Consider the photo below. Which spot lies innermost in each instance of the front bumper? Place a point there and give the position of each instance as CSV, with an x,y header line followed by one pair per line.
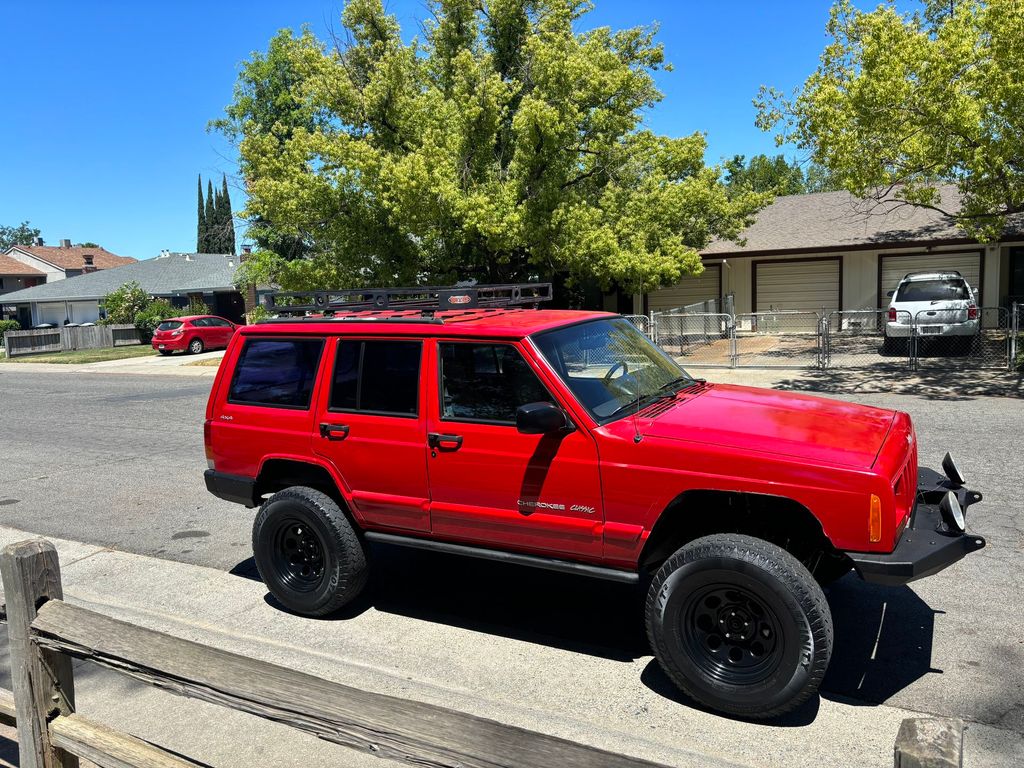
x,y
927,544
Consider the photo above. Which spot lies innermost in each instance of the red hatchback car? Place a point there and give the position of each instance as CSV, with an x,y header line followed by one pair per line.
x,y
193,334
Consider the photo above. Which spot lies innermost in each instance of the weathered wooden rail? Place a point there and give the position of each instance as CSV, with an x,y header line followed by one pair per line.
x,y
65,338
45,633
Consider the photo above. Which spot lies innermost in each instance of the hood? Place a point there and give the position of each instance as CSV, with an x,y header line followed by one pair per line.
x,y
770,421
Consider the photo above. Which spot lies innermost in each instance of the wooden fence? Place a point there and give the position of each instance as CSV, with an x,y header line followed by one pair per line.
x,y
65,338
45,633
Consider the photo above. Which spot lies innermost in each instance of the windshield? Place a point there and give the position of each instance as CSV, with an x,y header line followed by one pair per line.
x,y
610,366
933,290
169,325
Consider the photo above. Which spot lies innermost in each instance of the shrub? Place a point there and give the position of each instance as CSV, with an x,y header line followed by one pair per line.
x,y
196,306
151,316
125,303
257,313
8,325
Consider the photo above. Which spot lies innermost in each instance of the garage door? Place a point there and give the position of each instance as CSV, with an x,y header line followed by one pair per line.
x,y
707,285
796,285
894,268
54,313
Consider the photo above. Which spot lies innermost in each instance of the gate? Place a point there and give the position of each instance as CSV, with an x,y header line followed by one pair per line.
x,y
867,337
705,340
643,322
989,346
783,339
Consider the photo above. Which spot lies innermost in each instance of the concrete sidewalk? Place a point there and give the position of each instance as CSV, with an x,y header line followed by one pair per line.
x,y
616,703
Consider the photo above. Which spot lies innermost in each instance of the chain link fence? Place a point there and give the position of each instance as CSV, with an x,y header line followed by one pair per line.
x,y
867,338
783,339
983,338
962,338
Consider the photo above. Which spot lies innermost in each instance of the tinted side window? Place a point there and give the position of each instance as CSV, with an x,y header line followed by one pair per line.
x,y
486,382
276,372
377,376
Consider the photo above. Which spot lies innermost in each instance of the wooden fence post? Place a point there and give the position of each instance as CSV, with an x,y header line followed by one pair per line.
x,y
41,679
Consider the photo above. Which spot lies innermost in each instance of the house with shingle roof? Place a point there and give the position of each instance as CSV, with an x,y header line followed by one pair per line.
x,y
15,275
176,277
57,262
833,251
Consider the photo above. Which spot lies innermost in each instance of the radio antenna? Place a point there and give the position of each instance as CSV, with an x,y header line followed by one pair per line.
x,y
636,414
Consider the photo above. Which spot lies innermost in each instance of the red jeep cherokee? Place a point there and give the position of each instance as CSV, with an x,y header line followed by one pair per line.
x,y
566,440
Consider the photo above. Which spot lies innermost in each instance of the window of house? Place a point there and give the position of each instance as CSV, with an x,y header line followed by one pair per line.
x,y
277,373
378,376
486,383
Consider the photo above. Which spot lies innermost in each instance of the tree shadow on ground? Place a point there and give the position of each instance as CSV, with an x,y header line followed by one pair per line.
x,y
930,383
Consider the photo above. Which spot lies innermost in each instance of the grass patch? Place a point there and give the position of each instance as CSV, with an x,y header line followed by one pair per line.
x,y
210,362
79,356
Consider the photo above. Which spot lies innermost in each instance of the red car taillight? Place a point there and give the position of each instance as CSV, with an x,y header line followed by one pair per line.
x,y
892,314
972,313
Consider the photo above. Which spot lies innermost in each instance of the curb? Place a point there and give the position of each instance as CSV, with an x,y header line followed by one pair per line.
x,y
929,742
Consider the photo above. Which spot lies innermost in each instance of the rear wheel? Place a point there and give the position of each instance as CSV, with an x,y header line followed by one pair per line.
x,y
740,626
307,552
195,346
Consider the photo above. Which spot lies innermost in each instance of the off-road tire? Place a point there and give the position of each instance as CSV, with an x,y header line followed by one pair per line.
x,y
196,346
796,616
344,571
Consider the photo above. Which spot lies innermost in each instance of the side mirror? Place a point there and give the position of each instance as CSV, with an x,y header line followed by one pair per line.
x,y
540,418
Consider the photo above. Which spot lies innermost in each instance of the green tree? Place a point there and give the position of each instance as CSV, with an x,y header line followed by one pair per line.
x,y
765,174
228,221
503,145
22,234
87,244
210,243
902,100
201,221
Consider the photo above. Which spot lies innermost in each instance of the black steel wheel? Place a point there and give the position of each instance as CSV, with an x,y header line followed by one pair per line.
x,y
730,634
740,626
307,552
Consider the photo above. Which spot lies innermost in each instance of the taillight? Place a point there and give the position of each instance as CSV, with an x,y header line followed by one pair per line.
x,y
208,441
177,332
972,313
892,314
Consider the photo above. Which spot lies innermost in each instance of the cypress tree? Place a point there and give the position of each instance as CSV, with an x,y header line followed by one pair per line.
x,y
210,244
229,221
201,223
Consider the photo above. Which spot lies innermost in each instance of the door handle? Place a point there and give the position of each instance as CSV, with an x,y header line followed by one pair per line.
x,y
444,442
334,431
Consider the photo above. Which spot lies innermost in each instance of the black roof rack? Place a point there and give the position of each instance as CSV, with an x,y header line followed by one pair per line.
x,y
932,272
428,299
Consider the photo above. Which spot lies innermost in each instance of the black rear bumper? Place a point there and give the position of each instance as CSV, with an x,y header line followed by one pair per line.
x,y
927,544
240,490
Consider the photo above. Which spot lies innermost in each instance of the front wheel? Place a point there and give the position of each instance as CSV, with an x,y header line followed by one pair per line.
x,y
740,626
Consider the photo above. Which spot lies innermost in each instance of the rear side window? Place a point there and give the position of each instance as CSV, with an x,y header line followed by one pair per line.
x,y
377,377
278,373
169,325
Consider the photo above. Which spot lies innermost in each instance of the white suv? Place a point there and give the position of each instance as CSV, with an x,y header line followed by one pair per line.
x,y
941,304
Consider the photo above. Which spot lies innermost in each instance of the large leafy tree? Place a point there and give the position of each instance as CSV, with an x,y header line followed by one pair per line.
x,y
502,145
902,100
23,234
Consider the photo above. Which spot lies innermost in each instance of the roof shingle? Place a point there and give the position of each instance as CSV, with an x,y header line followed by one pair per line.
x,y
174,273
74,257
829,221
9,266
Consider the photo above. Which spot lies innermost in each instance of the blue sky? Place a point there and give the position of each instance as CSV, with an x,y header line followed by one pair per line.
x,y
107,102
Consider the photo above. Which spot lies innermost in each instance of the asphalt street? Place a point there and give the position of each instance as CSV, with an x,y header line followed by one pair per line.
x,y
117,461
